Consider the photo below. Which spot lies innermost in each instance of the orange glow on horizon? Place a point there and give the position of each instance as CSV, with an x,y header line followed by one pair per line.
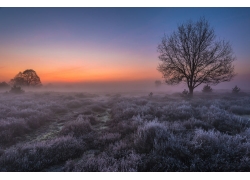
x,y
76,70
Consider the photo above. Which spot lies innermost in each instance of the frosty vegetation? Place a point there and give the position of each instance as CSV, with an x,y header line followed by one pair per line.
x,y
49,131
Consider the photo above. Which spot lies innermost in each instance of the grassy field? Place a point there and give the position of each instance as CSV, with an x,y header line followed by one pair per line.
x,y
58,131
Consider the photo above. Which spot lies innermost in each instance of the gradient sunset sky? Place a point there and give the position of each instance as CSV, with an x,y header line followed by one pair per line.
x,y
73,45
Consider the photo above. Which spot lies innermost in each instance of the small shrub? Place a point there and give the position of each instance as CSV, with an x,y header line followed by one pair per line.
x,y
235,90
207,89
185,92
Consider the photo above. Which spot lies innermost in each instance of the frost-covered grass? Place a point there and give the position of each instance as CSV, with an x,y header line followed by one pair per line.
x,y
87,132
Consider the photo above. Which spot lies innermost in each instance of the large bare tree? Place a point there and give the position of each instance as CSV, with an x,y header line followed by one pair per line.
x,y
192,54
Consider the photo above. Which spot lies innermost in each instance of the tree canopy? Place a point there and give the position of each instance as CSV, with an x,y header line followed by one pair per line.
x,y
26,78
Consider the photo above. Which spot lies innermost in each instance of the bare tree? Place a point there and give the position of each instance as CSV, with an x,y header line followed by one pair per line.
x,y
192,54
27,78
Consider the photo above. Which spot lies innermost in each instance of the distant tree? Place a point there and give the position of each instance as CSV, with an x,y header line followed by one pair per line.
x,y
235,89
207,89
157,83
4,85
193,55
150,94
27,78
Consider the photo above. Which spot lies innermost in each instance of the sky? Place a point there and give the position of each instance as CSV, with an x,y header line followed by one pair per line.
x,y
85,45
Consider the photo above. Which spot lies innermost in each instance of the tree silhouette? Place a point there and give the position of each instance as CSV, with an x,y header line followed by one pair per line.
x,y
27,78
193,55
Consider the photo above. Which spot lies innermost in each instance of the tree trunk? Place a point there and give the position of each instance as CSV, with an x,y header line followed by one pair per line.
x,y
191,91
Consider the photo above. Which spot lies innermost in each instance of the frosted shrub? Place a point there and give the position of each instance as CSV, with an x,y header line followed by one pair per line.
x,y
177,111
241,110
149,133
223,120
79,127
137,118
35,157
193,123
215,148
100,163
105,163
11,128
109,137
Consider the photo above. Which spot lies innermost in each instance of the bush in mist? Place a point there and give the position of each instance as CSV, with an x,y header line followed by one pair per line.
x,y
235,90
184,92
16,90
207,89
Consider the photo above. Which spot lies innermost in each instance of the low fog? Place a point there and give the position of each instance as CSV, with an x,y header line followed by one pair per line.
x,y
136,87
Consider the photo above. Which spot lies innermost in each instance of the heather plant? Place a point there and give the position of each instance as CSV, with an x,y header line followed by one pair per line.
x,y
37,156
148,134
219,148
79,127
241,110
10,128
105,163
224,121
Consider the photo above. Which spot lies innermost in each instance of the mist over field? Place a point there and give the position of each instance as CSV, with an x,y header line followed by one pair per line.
x,y
87,131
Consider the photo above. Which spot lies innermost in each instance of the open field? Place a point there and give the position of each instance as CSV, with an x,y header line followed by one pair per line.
x,y
59,131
